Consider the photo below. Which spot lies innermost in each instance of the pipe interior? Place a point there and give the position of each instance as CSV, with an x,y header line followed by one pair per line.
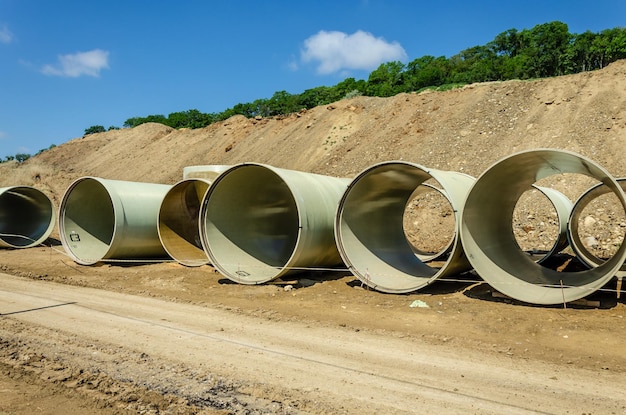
x,y
26,214
371,230
489,240
178,226
597,225
427,209
88,220
251,223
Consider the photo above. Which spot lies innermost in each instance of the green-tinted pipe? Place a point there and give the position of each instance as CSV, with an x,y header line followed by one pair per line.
x,y
179,215
178,224
103,219
369,226
487,230
27,217
260,222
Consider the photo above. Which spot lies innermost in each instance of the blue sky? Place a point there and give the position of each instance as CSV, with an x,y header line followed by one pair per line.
x,y
68,65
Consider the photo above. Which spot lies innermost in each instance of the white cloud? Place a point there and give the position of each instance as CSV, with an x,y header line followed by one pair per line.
x,y
338,51
3,135
82,63
5,34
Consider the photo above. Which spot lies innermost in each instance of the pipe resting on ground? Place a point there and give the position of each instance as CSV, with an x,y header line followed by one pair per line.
x,y
369,226
27,217
489,242
260,222
103,219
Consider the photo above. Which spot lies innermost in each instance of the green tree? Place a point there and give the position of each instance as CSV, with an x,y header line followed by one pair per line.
x,y
21,157
282,102
475,64
426,71
348,86
548,53
313,97
579,56
614,44
94,129
509,43
386,80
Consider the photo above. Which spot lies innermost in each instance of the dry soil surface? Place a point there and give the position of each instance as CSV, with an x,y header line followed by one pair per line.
x,y
163,338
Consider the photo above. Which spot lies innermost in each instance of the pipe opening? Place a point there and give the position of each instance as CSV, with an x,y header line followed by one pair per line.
x,y
251,224
87,220
179,226
490,243
428,222
26,217
598,225
540,221
370,225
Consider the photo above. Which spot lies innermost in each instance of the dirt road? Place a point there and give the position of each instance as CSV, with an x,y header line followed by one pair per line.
x,y
207,359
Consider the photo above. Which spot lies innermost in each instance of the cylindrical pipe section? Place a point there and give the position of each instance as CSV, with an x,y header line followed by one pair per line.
x,y
369,226
261,222
563,208
579,248
208,172
179,222
487,230
102,219
27,217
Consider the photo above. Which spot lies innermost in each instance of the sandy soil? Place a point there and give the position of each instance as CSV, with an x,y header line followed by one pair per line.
x,y
469,349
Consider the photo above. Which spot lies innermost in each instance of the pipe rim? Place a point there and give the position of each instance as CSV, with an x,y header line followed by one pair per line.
x,y
585,255
180,248
563,208
511,272
406,272
425,256
210,245
116,208
43,206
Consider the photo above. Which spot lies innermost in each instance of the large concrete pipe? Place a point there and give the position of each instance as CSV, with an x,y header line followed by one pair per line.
x,y
26,217
261,222
179,221
208,172
102,219
369,226
487,229
579,248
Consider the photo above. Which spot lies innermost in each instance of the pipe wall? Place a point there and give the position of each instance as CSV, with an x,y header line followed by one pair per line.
x,y
586,256
179,222
563,208
27,217
261,222
369,226
103,219
487,232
